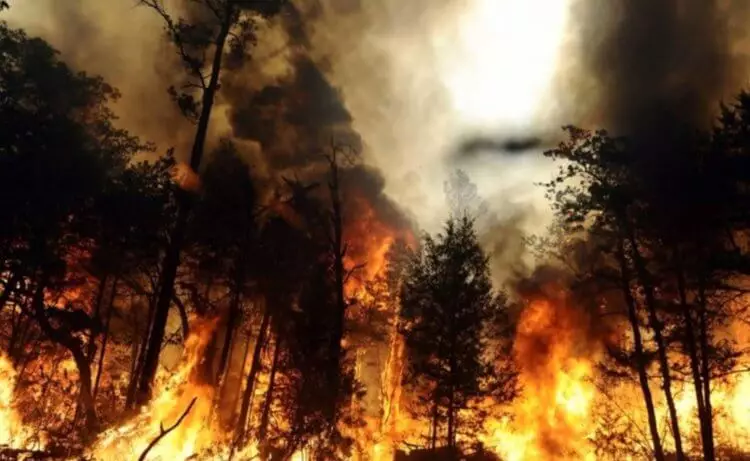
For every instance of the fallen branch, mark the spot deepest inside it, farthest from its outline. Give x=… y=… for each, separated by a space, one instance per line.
x=163 y=432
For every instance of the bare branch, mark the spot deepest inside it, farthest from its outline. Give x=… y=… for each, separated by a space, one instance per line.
x=163 y=432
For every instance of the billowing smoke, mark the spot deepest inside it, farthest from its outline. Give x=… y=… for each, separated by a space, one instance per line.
x=423 y=80
x=423 y=87
x=124 y=44
x=644 y=64
x=278 y=107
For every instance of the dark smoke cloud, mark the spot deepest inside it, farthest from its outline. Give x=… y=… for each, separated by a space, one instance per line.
x=292 y=120
x=298 y=116
x=656 y=63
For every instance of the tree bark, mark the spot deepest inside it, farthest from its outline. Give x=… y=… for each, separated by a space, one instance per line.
x=251 y=377
x=690 y=342
x=105 y=338
x=435 y=422
x=705 y=368
x=135 y=371
x=639 y=355
x=76 y=348
x=91 y=349
x=339 y=273
x=655 y=323
x=172 y=257
x=232 y=317
x=263 y=426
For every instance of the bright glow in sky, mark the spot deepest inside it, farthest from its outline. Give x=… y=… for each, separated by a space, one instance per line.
x=500 y=69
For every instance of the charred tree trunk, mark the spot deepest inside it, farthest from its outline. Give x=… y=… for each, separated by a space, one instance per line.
x=648 y=288
x=706 y=369
x=105 y=338
x=18 y=338
x=339 y=252
x=251 y=377
x=452 y=379
x=232 y=317
x=692 y=348
x=76 y=347
x=639 y=355
x=91 y=349
x=137 y=367
x=172 y=257
x=263 y=426
x=435 y=422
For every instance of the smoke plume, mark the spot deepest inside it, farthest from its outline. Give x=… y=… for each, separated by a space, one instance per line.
x=645 y=64
x=124 y=44
x=423 y=87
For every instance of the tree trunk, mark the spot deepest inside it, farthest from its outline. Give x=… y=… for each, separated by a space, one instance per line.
x=690 y=342
x=435 y=422
x=232 y=318
x=231 y=390
x=263 y=426
x=76 y=348
x=661 y=348
x=705 y=368
x=85 y=395
x=451 y=422
x=105 y=338
x=254 y=369
x=338 y=252
x=91 y=349
x=135 y=371
x=639 y=356
x=172 y=257
x=17 y=341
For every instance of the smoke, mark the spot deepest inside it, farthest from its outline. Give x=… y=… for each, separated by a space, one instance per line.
x=426 y=86
x=424 y=80
x=124 y=44
x=641 y=65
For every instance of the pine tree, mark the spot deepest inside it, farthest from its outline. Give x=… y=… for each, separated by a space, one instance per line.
x=447 y=306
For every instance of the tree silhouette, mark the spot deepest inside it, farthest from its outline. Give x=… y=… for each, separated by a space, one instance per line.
x=447 y=306
x=193 y=40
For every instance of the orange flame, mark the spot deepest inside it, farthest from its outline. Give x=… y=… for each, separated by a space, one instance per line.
x=194 y=435
x=551 y=419
x=13 y=432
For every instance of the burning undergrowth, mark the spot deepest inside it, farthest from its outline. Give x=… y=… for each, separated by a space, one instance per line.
x=265 y=352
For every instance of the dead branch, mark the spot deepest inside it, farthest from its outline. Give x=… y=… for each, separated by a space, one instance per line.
x=163 y=432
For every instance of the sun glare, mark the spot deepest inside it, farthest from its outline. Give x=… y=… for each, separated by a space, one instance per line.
x=499 y=72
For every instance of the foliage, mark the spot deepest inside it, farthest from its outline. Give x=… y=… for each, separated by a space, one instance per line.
x=448 y=306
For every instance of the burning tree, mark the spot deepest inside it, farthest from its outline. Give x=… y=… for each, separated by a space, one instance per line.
x=219 y=24
x=667 y=228
x=59 y=138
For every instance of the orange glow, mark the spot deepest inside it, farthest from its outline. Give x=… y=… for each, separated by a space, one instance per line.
x=13 y=431
x=551 y=418
x=196 y=433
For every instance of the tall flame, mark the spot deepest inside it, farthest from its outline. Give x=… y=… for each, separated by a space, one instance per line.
x=13 y=432
x=195 y=434
x=551 y=419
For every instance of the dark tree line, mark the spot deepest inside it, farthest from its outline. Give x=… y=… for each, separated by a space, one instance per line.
x=660 y=230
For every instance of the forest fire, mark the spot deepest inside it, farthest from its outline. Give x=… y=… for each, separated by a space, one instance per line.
x=202 y=305
x=181 y=400
x=552 y=417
